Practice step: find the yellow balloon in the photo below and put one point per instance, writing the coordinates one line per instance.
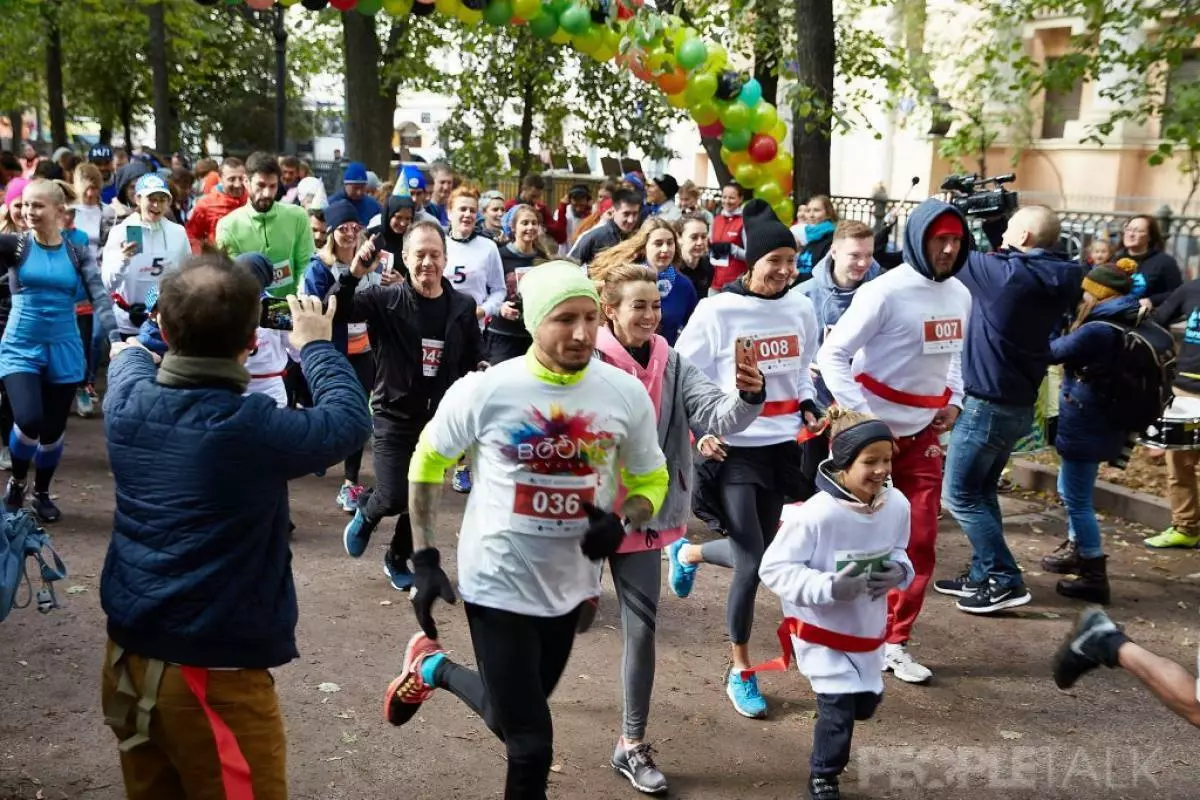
(785, 210)
(398, 8)
(470, 16)
(718, 57)
(447, 7)
(656, 59)
(588, 41)
(604, 53)
(780, 132)
(736, 159)
(677, 100)
(611, 38)
(288, 3)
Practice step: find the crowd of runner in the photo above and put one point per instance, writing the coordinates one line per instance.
(569, 364)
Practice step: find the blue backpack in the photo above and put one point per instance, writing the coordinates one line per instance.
(23, 539)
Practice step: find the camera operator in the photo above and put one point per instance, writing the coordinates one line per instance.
(197, 583)
(1021, 293)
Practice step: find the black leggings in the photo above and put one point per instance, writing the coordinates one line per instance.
(364, 368)
(836, 715)
(752, 514)
(520, 660)
(40, 410)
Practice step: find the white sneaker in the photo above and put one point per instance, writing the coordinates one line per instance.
(897, 659)
(5, 459)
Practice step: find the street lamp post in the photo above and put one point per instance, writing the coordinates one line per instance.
(280, 81)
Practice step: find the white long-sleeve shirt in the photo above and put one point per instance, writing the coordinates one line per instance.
(265, 363)
(474, 268)
(905, 331)
(165, 246)
(785, 334)
(816, 540)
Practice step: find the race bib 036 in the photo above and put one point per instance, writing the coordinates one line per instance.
(552, 505)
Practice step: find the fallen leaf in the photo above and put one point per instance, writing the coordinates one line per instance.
(23, 663)
(385, 602)
(1182, 604)
(76, 589)
(556, 768)
(349, 737)
(335, 758)
(1010, 735)
(328, 688)
(1051, 615)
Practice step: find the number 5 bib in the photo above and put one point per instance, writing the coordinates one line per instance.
(552, 505)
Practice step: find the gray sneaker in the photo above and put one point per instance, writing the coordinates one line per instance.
(637, 764)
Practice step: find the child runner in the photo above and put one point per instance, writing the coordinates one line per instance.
(832, 564)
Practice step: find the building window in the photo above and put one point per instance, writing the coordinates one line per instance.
(426, 118)
(1060, 107)
(1186, 74)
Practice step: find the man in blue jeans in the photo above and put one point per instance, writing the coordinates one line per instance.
(1022, 294)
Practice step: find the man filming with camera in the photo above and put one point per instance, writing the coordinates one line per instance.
(1021, 292)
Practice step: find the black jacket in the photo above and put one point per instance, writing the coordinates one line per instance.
(596, 241)
(701, 276)
(1157, 275)
(1181, 304)
(391, 313)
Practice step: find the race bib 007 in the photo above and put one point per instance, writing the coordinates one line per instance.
(942, 335)
(552, 505)
(777, 352)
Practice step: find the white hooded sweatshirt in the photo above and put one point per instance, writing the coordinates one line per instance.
(165, 246)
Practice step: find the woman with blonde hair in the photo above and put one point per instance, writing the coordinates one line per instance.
(346, 237)
(12, 220)
(506, 336)
(656, 244)
(684, 397)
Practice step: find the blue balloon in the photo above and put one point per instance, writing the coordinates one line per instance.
(751, 93)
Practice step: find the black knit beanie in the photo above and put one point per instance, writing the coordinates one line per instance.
(764, 231)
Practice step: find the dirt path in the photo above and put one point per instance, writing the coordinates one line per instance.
(992, 725)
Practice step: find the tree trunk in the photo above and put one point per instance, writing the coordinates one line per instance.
(279, 33)
(164, 128)
(54, 75)
(127, 122)
(369, 110)
(814, 60)
(712, 147)
(766, 49)
(16, 121)
(106, 126)
(527, 99)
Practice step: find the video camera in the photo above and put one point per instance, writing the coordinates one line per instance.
(971, 199)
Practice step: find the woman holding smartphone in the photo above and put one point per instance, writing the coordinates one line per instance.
(506, 336)
(41, 355)
(754, 320)
(328, 264)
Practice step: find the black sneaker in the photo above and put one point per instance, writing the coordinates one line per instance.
(44, 507)
(991, 597)
(824, 787)
(14, 496)
(637, 764)
(962, 586)
(1093, 641)
(587, 614)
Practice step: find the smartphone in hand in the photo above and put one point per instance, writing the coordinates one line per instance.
(744, 352)
(134, 233)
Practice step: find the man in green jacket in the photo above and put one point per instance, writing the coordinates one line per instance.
(279, 230)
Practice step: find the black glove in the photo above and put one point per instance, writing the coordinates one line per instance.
(721, 249)
(604, 534)
(429, 583)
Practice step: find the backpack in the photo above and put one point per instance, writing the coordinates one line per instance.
(1139, 382)
(24, 244)
(23, 539)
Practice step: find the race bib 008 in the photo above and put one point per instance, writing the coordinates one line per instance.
(942, 335)
(552, 505)
(777, 352)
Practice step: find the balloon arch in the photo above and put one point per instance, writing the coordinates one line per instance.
(656, 48)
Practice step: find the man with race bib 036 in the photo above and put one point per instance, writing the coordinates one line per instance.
(552, 435)
(897, 354)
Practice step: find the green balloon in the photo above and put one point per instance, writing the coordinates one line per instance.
(576, 19)
(691, 53)
(735, 116)
(748, 174)
(544, 25)
(369, 7)
(700, 87)
(770, 192)
(766, 116)
(498, 12)
(736, 139)
(704, 112)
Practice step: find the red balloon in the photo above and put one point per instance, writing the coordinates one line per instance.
(343, 5)
(712, 131)
(762, 148)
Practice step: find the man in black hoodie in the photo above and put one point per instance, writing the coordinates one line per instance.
(626, 216)
(426, 337)
(1023, 293)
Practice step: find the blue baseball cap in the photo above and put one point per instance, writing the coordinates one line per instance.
(410, 178)
(100, 152)
(149, 184)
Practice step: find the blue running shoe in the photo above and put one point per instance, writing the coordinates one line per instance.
(399, 574)
(745, 696)
(357, 535)
(461, 482)
(682, 576)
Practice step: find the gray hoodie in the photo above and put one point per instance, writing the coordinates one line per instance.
(829, 300)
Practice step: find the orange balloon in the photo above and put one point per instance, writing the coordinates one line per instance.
(736, 159)
(673, 82)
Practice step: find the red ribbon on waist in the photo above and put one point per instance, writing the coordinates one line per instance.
(780, 408)
(814, 634)
(280, 374)
(880, 389)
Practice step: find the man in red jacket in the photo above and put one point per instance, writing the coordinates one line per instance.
(209, 209)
